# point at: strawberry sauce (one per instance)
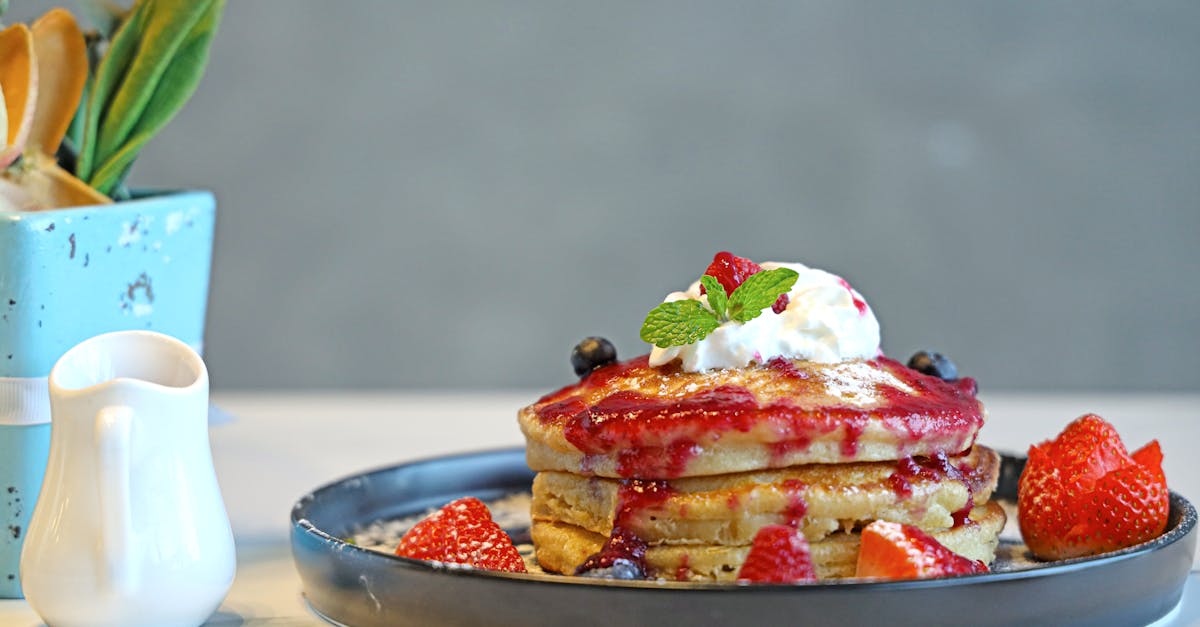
(634, 497)
(936, 468)
(859, 303)
(787, 368)
(796, 507)
(656, 437)
(684, 571)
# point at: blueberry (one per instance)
(934, 365)
(621, 568)
(592, 353)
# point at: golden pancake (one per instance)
(561, 548)
(631, 420)
(729, 509)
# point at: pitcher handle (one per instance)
(116, 559)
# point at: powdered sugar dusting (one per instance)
(855, 382)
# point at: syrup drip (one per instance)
(855, 425)
(963, 516)
(684, 572)
(793, 515)
(657, 437)
(859, 303)
(936, 468)
(780, 450)
(671, 462)
(633, 497)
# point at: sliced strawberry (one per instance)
(462, 532)
(892, 550)
(779, 555)
(730, 270)
(1083, 494)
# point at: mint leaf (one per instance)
(678, 323)
(717, 298)
(759, 291)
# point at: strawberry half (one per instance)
(462, 532)
(1083, 494)
(779, 555)
(892, 550)
(730, 270)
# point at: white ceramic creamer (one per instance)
(130, 528)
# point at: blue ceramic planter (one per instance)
(67, 275)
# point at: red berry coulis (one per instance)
(656, 437)
(684, 571)
(633, 497)
(796, 508)
(859, 303)
(936, 468)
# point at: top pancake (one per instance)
(631, 420)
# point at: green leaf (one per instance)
(106, 79)
(717, 298)
(678, 323)
(96, 42)
(164, 28)
(759, 291)
(154, 82)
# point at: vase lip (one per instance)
(143, 198)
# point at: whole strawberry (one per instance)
(1082, 493)
(779, 555)
(462, 532)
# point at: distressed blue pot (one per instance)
(67, 275)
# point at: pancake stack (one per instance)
(674, 472)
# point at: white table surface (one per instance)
(281, 445)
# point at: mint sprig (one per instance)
(759, 291)
(683, 322)
(718, 300)
(678, 323)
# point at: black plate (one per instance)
(355, 586)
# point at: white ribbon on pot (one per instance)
(24, 401)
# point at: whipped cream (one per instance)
(826, 321)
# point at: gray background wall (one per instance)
(451, 194)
